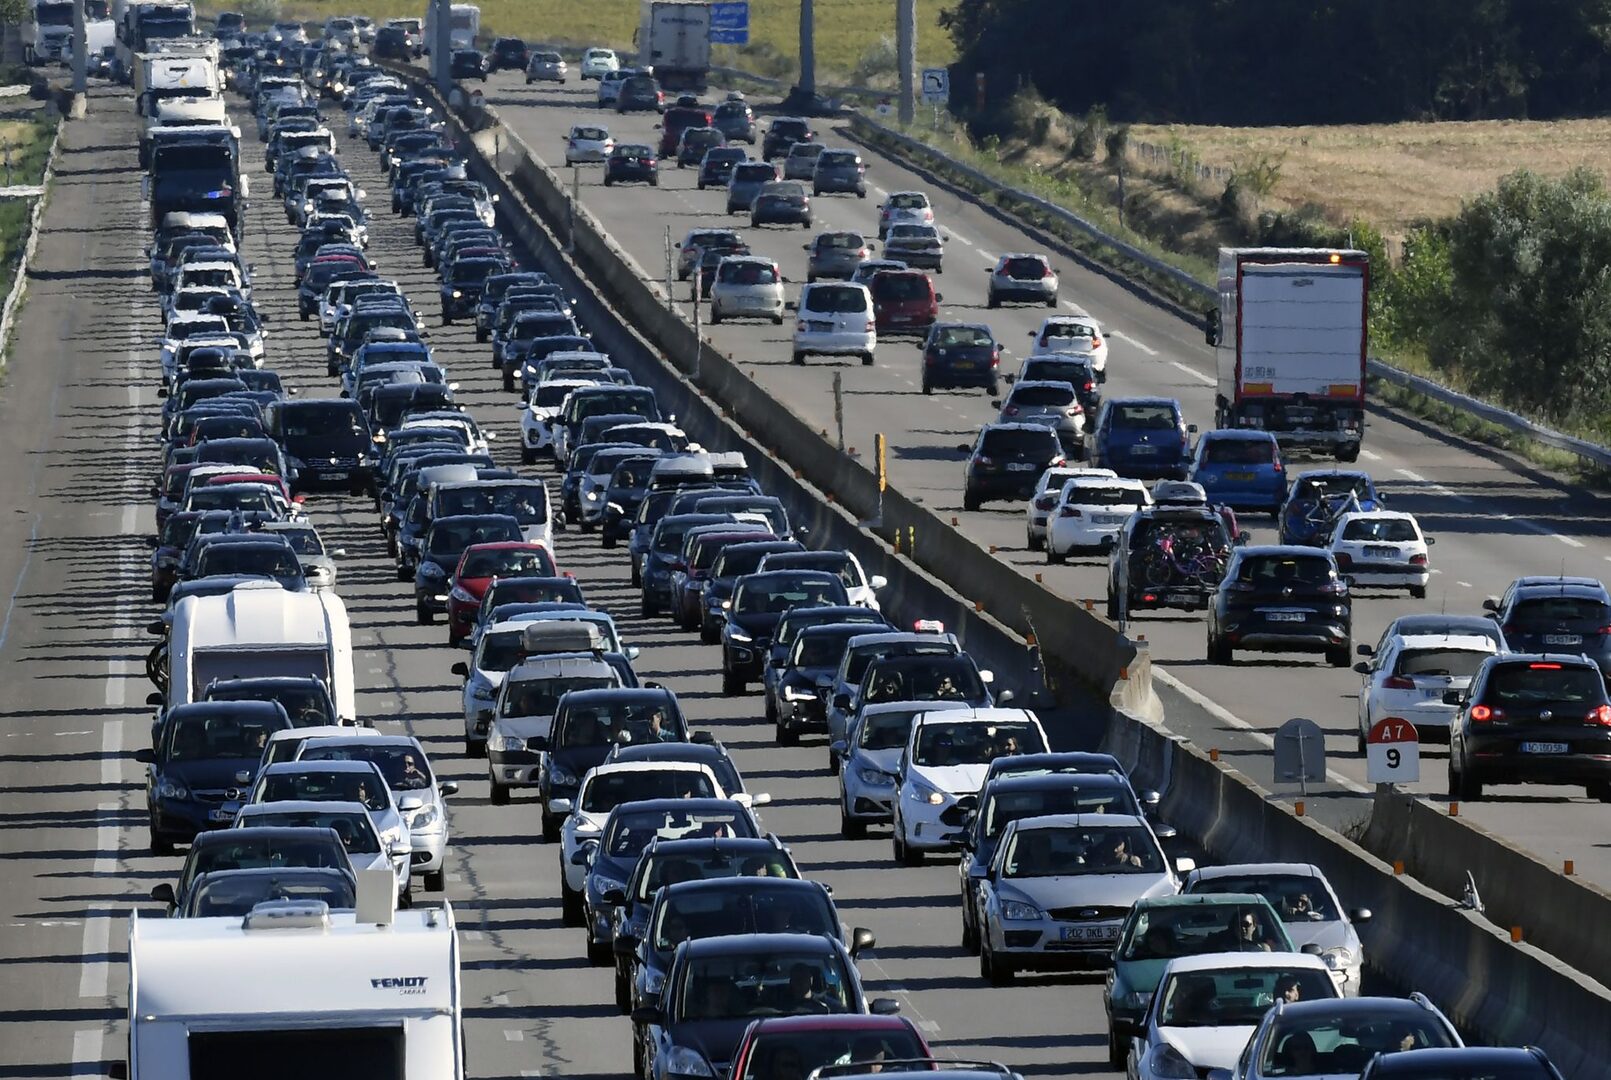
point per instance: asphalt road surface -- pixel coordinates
(77, 419)
(1494, 516)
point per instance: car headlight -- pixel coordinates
(925, 793)
(599, 884)
(798, 693)
(1015, 911)
(1167, 1064)
(170, 790)
(458, 593)
(561, 777)
(686, 1062)
(738, 636)
(654, 981)
(1339, 958)
(425, 818)
(1138, 999)
(431, 570)
(482, 692)
(875, 777)
(457, 295)
(592, 496)
(506, 743)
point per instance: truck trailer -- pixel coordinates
(673, 39)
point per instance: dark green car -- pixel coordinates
(1164, 928)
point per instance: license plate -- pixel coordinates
(1022, 466)
(1284, 616)
(1089, 933)
(819, 327)
(1108, 519)
(1180, 598)
(1381, 553)
(1238, 476)
(220, 815)
(1544, 748)
(337, 475)
(1143, 451)
(1563, 639)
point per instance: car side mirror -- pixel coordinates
(964, 447)
(155, 698)
(841, 701)
(461, 669)
(163, 893)
(1362, 667)
(861, 938)
(884, 1006)
(1312, 949)
(410, 803)
(1453, 697)
(1244, 537)
(582, 856)
(1191, 429)
(1430, 540)
(994, 403)
(614, 897)
(1360, 914)
(1185, 865)
(939, 298)
(877, 581)
(1005, 697)
(447, 787)
(987, 676)
(1491, 604)
(648, 1014)
(400, 849)
(790, 305)
(145, 755)
(1365, 650)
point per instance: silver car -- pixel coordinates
(801, 162)
(1054, 404)
(318, 562)
(745, 182)
(1059, 888)
(919, 246)
(1308, 907)
(839, 171)
(1027, 278)
(869, 758)
(835, 254)
(546, 67)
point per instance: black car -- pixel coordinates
(783, 133)
(717, 165)
(1463, 1063)
(756, 603)
(628, 486)
(268, 845)
(1168, 557)
(632, 163)
(194, 772)
(1556, 614)
(591, 723)
(508, 52)
(734, 562)
(961, 356)
(1006, 460)
(392, 43)
(1531, 718)
(440, 549)
(462, 284)
(796, 688)
(305, 699)
(327, 443)
(468, 64)
(1276, 598)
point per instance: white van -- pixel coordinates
(259, 629)
(835, 318)
(298, 984)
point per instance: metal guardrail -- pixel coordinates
(1515, 423)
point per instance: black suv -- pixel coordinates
(1168, 557)
(1531, 718)
(783, 133)
(1556, 614)
(1006, 461)
(508, 52)
(1281, 599)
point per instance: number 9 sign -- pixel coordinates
(1392, 752)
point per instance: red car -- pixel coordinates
(797, 1045)
(904, 302)
(479, 566)
(268, 479)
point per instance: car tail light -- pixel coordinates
(1544, 667)
(985, 459)
(1600, 714)
(1070, 512)
(862, 254)
(929, 358)
(1344, 560)
(1073, 411)
(995, 358)
(1089, 386)
(1417, 560)
(1398, 682)
(928, 215)
(1481, 714)
(871, 326)
(1045, 502)
(1096, 341)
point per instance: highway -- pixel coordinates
(77, 419)
(1493, 515)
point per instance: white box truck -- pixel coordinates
(47, 31)
(1291, 336)
(259, 629)
(294, 989)
(464, 26)
(674, 39)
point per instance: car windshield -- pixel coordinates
(675, 867)
(799, 1053)
(1297, 898)
(501, 651)
(449, 538)
(219, 738)
(237, 894)
(887, 730)
(540, 697)
(693, 916)
(835, 299)
(403, 766)
(955, 336)
(1272, 571)
(277, 561)
(1459, 663)
(1163, 933)
(1041, 395)
(1236, 997)
(777, 597)
(1066, 852)
(820, 650)
(943, 744)
(729, 987)
(1239, 452)
(1390, 530)
(356, 831)
(893, 285)
(302, 541)
(604, 722)
(305, 701)
(1020, 442)
(1318, 1043)
(1533, 684)
(507, 562)
(318, 786)
(632, 830)
(1024, 268)
(526, 503)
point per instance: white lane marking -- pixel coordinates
(1225, 716)
(1417, 478)
(87, 1044)
(1193, 372)
(513, 1035)
(92, 977)
(111, 752)
(1370, 455)
(1150, 351)
(1464, 584)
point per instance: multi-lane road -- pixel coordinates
(1494, 516)
(77, 420)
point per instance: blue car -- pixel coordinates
(1319, 497)
(1240, 469)
(1140, 437)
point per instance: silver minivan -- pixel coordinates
(746, 287)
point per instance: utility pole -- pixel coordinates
(906, 52)
(442, 47)
(808, 47)
(80, 49)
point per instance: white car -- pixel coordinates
(1408, 676)
(588, 143)
(612, 783)
(343, 782)
(1047, 490)
(419, 797)
(181, 328)
(596, 63)
(1091, 511)
(350, 821)
(1074, 335)
(475, 440)
(746, 287)
(835, 318)
(904, 208)
(1207, 1007)
(947, 756)
(537, 415)
(610, 88)
(1384, 548)
(869, 758)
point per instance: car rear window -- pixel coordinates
(1105, 496)
(1145, 417)
(1391, 530)
(747, 273)
(1239, 452)
(954, 336)
(909, 201)
(897, 286)
(1042, 395)
(1025, 269)
(749, 173)
(1459, 663)
(836, 299)
(1543, 684)
(1284, 569)
(1551, 611)
(1001, 441)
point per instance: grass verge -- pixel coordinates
(29, 142)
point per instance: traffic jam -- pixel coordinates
(311, 841)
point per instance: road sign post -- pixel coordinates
(1392, 752)
(839, 408)
(936, 86)
(1300, 753)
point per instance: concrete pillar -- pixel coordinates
(808, 46)
(906, 52)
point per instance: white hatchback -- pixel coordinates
(1384, 548)
(588, 143)
(597, 63)
(1091, 511)
(835, 318)
(608, 785)
(1074, 335)
(904, 208)
(1041, 505)
(746, 287)
(1409, 676)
